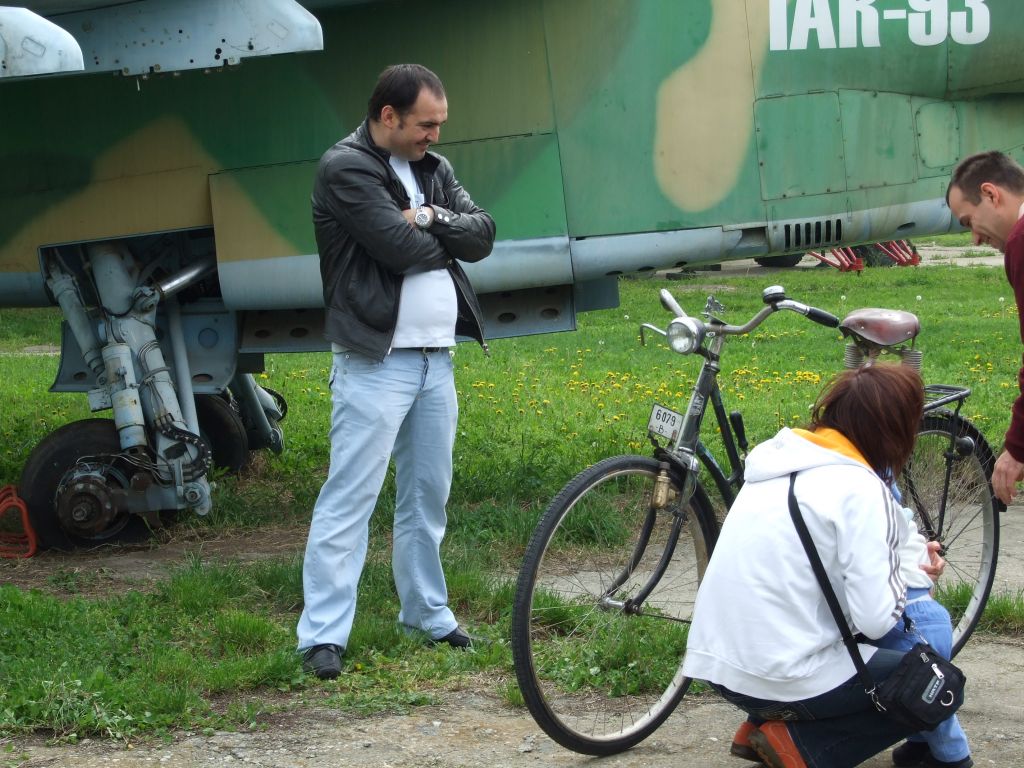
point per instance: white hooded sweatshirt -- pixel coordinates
(761, 626)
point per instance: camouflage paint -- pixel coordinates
(569, 118)
(717, 81)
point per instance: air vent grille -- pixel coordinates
(810, 234)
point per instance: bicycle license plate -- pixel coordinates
(665, 422)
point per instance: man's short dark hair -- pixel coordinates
(878, 409)
(399, 86)
(995, 167)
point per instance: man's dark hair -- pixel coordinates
(399, 85)
(878, 409)
(995, 167)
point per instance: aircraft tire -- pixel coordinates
(92, 441)
(222, 429)
(785, 261)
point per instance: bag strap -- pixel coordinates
(830, 595)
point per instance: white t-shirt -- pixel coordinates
(428, 306)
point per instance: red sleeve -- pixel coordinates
(1014, 264)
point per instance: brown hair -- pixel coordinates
(878, 408)
(995, 167)
(399, 86)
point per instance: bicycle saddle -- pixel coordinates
(884, 327)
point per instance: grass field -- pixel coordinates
(191, 651)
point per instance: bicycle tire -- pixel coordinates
(599, 680)
(970, 530)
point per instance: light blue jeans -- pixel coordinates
(947, 742)
(403, 407)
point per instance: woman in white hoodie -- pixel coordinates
(762, 634)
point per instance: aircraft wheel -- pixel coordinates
(68, 483)
(785, 261)
(222, 429)
(874, 256)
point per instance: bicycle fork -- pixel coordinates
(662, 495)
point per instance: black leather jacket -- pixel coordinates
(366, 245)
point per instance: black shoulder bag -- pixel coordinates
(924, 690)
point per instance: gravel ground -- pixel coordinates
(473, 728)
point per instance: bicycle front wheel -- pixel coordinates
(968, 525)
(598, 672)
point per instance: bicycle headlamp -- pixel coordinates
(685, 335)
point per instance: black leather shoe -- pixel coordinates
(324, 661)
(932, 762)
(916, 753)
(457, 638)
(910, 753)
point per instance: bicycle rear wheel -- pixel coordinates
(598, 675)
(968, 527)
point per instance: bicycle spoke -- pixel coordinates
(968, 526)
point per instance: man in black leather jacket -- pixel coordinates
(391, 222)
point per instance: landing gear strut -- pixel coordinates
(108, 480)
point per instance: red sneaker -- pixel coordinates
(741, 743)
(775, 746)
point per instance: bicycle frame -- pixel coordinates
(689, 449)
(687, 453)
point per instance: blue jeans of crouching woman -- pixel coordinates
(404, 407)
(838, 729)
(947, 742)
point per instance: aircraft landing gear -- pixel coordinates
(73, 486)
(148, 331)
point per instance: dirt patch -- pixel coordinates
(932, 255)
(113, 568)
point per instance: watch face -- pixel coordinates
(422, 218)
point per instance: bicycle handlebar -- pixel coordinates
(819, 316)
(668, 301)
(775, 299)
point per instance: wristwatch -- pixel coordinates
(422, 218)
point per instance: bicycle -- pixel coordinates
(610, 575)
